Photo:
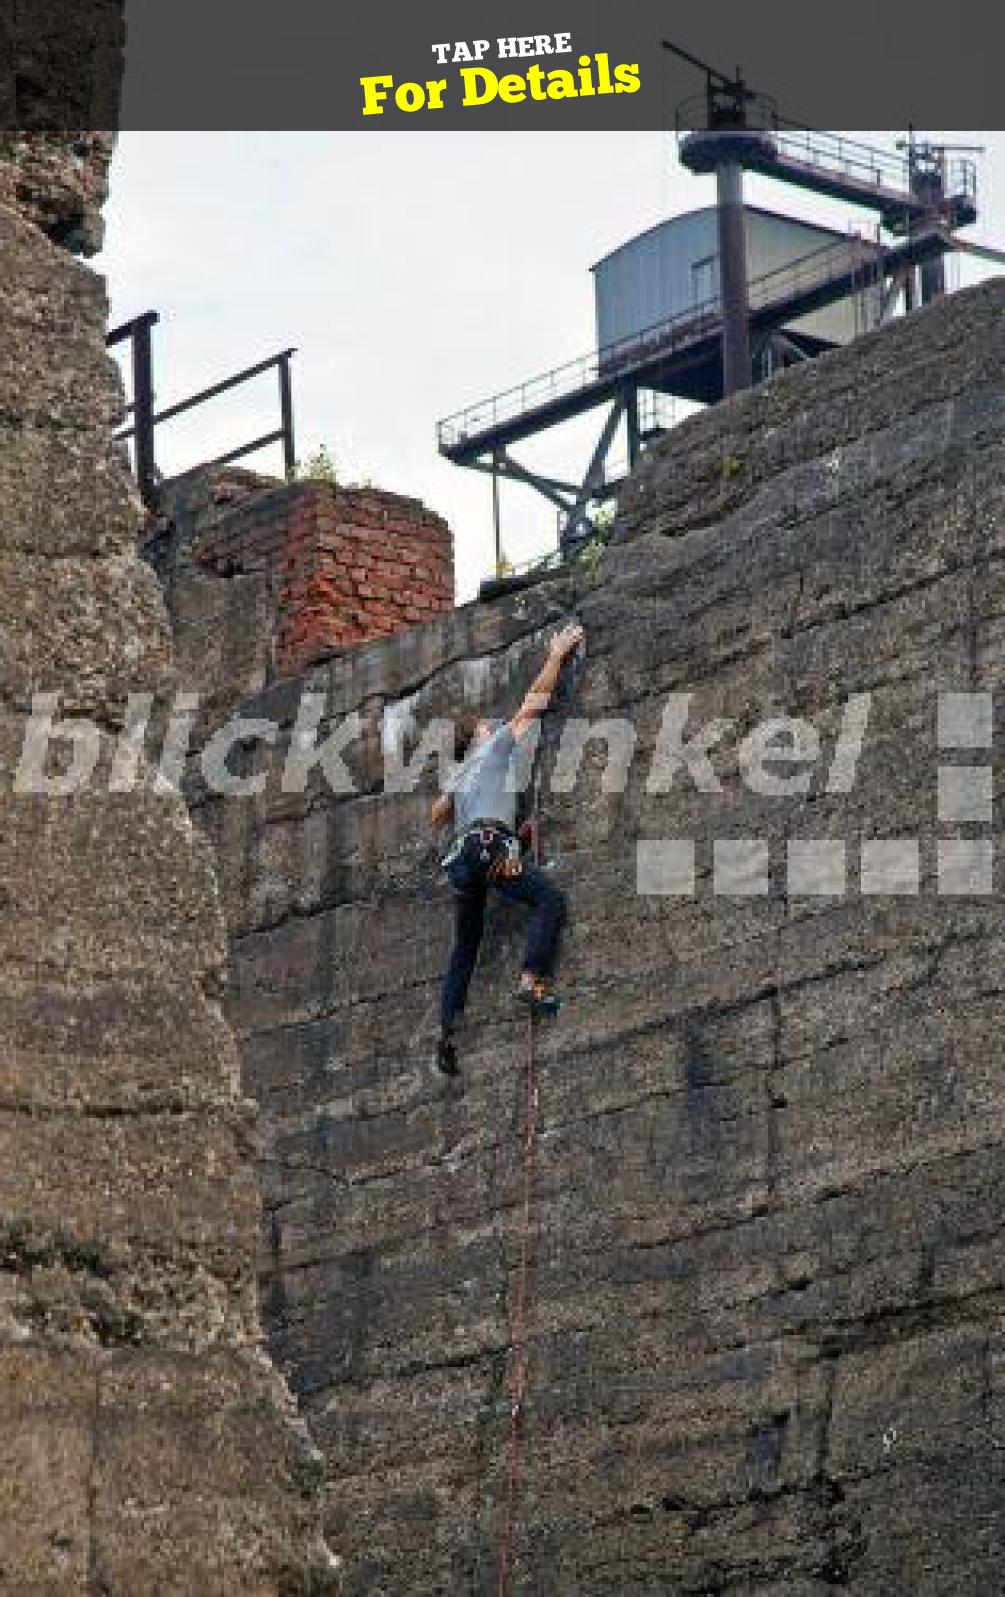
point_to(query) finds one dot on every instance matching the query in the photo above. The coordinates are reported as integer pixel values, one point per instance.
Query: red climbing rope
(520, 1310)
(520, 1377)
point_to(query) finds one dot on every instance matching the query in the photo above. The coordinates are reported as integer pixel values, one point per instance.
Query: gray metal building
(673, 268)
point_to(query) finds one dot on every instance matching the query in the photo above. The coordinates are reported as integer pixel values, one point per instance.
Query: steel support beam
(496, 522)
(933, 279)
(779, 340)
(632, 420)
(519, 473)
(569, 499)
(983, 252)
(557, 483)
(594, 471)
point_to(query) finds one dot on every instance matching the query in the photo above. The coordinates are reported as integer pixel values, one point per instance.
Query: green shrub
(318, 467)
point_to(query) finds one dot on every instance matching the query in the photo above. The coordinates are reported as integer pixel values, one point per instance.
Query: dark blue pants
(469, 878)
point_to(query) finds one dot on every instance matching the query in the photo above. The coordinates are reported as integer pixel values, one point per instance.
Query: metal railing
(831, 154)
(146, 419)
(863, 163)
(959, 177)
(664, 338)
(572, 377)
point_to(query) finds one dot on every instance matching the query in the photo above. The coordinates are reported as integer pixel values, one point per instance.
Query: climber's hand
(567, 641)
(528, 836)
(442, 810)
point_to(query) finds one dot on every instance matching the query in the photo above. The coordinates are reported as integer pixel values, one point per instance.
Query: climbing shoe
(446, 1055)
(540, 997)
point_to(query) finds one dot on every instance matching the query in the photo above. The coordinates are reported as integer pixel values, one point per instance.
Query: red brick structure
(344, 564)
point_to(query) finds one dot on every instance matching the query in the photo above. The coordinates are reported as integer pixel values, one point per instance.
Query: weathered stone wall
(149, 1445)
(60, 72)
(60, 181)
(769, 1273)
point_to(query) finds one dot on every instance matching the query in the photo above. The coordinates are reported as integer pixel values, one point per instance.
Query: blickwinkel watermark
(780, 758)
(63, 755)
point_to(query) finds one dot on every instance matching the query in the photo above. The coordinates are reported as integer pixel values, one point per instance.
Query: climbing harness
(495, 847)
(508, 863)
(519, 1340)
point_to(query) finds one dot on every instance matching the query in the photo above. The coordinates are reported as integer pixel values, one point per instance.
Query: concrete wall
(60, 74)
(768, 1272)
(149, 1445)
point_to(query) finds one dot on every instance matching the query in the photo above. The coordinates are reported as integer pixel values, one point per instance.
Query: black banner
(525, 64)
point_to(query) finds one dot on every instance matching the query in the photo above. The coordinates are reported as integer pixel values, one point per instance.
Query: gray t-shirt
(486, 783)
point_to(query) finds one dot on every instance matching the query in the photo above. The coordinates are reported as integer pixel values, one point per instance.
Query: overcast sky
(415, 272)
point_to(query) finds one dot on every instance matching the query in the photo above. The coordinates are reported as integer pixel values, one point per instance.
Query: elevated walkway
(680, 355)
(905, 189)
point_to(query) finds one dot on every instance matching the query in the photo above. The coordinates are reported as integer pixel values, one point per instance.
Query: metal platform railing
(821, 266)
(863, 163)
(146, 420)
(833, 155)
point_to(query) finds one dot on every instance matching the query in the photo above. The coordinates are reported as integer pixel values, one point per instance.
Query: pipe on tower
(736, 368)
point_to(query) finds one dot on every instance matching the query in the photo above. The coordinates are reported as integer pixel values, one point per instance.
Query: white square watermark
(664, 867)
(966, 720)
(741, 867)
(891, 865)
(966, 793)
(817, 868)
(966, 866)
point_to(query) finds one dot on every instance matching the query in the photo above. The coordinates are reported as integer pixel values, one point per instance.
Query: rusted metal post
(736, 370)
(143, 407)
(286, 406)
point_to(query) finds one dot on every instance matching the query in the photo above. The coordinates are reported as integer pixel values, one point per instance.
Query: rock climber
(479, 801)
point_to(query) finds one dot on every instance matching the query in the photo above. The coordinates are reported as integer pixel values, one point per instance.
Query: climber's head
(469, 731)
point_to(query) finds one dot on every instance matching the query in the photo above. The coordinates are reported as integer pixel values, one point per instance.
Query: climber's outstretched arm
(544, 684)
